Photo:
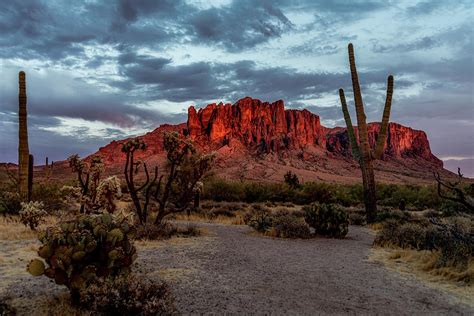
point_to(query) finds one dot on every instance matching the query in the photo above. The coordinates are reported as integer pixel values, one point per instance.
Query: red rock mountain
(261, 141)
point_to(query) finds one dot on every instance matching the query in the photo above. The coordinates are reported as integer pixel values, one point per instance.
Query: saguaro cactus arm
(359, 105)
(350, 128)
(382, 138)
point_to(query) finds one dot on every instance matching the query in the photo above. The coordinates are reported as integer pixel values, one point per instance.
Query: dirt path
(232, 271)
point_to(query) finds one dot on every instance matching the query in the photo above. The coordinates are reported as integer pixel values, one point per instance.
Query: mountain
(261, 141)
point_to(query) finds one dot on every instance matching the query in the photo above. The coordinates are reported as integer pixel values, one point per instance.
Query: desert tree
(172, 191)
(362, 151)
(454, 192)
(131, 168)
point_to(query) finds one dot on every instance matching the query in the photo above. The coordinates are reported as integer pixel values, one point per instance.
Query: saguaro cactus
(23, 151)
(31, 161)
(362, 151)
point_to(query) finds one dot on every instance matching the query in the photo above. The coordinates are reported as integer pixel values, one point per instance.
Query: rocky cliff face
(261, 127)
(268, 127)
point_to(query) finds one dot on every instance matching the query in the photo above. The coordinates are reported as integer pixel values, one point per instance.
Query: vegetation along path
(232, 271)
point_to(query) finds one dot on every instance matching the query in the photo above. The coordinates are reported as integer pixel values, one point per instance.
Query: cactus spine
(363, 152)
(23, 151)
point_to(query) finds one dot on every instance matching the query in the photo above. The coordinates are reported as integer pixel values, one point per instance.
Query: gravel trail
(232, 271)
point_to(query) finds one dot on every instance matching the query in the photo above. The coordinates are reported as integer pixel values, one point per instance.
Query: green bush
(10, 202)
(50, 194)
(327, 219)
(79, 251)
(413, 197)
(128, 296)
(290, 226)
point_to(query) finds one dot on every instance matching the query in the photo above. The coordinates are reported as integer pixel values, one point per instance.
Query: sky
(103, 70)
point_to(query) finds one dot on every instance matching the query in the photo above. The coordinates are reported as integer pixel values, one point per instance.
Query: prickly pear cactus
(79, 251)
(327, 219)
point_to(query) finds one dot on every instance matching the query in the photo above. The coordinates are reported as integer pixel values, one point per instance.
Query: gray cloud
(63, 44)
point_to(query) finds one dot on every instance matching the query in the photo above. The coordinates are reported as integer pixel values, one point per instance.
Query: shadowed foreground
(233, 271)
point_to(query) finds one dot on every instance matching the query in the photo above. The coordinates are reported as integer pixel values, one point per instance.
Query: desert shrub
(431, 213)
(290, 226)
(454, 240)
(164, 230)
(456, 243)
(387, 213)
(315, 192)
(79, 251)
(10, 202)
(291, 179)
(220, 190)
(32, 214)
(190, 230)
(221, 211)
(357, 219)
(405, 235)
(129, 295)
(327, 219)
(50, 194)
(348, 195)
(259, 218)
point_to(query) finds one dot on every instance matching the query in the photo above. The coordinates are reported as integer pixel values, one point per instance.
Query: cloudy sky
(103, 70)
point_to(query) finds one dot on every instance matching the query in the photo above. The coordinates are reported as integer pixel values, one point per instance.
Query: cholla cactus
(72, 196)
(88, 176)
(107, 192)
(79, 251)
(32, 214)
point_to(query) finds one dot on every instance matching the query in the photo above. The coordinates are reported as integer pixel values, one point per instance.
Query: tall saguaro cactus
(362, 151)
(23, 151)
(31, 161)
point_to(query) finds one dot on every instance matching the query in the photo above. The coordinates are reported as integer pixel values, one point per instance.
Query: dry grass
(196, 217)
(422, 265)
(12, 229)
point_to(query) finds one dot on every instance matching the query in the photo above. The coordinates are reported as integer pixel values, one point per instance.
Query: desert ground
(230, 269)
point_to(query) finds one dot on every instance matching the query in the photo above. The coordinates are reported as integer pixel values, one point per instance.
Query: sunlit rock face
(402, 142)
(256, 123)
(272, 128)
(263, 127)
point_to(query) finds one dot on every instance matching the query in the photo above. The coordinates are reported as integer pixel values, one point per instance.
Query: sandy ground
(232, 271)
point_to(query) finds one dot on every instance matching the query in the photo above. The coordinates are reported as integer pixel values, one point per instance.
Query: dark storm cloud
(241, 25)
(203, 81)
(56, 30)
